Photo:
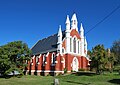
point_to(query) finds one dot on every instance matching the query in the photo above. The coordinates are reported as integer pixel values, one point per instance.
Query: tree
(116, 50)
(110, 58)
(13, 57)
(98, 58)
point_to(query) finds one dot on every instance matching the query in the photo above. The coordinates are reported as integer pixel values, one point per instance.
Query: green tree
(13, 57)
(111, 59)
(116, 50)
(98, 58)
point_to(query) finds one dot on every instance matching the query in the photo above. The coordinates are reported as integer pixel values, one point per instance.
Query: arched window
(53, 58)
(78, 47)
(74, 45)
(37, 59)
(70, 44)
(44, 59)
(63, 50)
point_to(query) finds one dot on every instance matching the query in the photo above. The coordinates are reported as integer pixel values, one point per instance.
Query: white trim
(44, 57)
(45, 62)
(57, 54)
(88, 64)
(47, 54)
(56, 61)
(87, 58)
(62, 61)
(31, 63)
(31, 70)
(38, 62)
(39, 56)
(68, 71)
(33, 57)
(52, 57)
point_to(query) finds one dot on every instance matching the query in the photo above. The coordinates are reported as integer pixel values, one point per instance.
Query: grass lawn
(106, 79)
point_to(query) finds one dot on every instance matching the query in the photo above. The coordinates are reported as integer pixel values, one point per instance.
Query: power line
(104, 19)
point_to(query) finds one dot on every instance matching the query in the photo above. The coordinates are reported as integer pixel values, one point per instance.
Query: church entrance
(75, 64)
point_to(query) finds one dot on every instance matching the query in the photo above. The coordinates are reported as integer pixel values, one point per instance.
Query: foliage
(116, 50)
(13, 57)
(101, 59)
(65, 70)
(117, 68)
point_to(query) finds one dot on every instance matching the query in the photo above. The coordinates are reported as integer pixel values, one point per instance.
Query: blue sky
(32, 20)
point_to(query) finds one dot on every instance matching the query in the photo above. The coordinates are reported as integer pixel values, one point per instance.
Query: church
(65, 50)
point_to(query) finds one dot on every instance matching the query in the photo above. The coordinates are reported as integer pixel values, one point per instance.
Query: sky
(32, 20)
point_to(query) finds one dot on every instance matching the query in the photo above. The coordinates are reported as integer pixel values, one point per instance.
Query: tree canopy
(116, 50)
(13, 57)
(102, 59)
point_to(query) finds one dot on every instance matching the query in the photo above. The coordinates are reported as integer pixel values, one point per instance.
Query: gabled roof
(47, 44)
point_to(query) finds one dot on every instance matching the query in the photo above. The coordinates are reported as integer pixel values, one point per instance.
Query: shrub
(65, 70)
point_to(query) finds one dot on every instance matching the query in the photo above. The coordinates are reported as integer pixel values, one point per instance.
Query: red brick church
(65, 50)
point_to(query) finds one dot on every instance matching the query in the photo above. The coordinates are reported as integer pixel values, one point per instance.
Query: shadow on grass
(73, 82)
(52, 83)
(115, 81)
(85, 73)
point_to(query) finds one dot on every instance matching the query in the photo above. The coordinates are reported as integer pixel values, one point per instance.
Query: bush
(117, 69)
(65, 70)
(72, 71)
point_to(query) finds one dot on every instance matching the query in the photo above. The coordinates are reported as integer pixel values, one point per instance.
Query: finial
(59, 26)
(74, 17)
(67, 20)
(59, 31)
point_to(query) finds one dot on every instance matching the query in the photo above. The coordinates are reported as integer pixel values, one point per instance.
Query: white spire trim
(59, 31)
(81, 31)
(59, 47)
(74, 22)
(67, 20)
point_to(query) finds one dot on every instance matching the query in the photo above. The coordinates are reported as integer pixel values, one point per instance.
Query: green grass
(106, 79)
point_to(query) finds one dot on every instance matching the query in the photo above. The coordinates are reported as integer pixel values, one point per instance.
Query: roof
(47, 44)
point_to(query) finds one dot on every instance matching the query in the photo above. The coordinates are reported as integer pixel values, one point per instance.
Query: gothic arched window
(78, 47)
(74, 45)
(53, 58)
(44, 59)
(70, 44)
(37, 59)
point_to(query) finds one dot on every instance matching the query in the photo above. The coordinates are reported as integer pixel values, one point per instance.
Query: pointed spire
(67, 20)
(59, 42)
(85, 44)
(59, 31)
(74, 22)
(81, 28)
(67, 23)
(74, 17)
(81, 31)
(85, 41)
